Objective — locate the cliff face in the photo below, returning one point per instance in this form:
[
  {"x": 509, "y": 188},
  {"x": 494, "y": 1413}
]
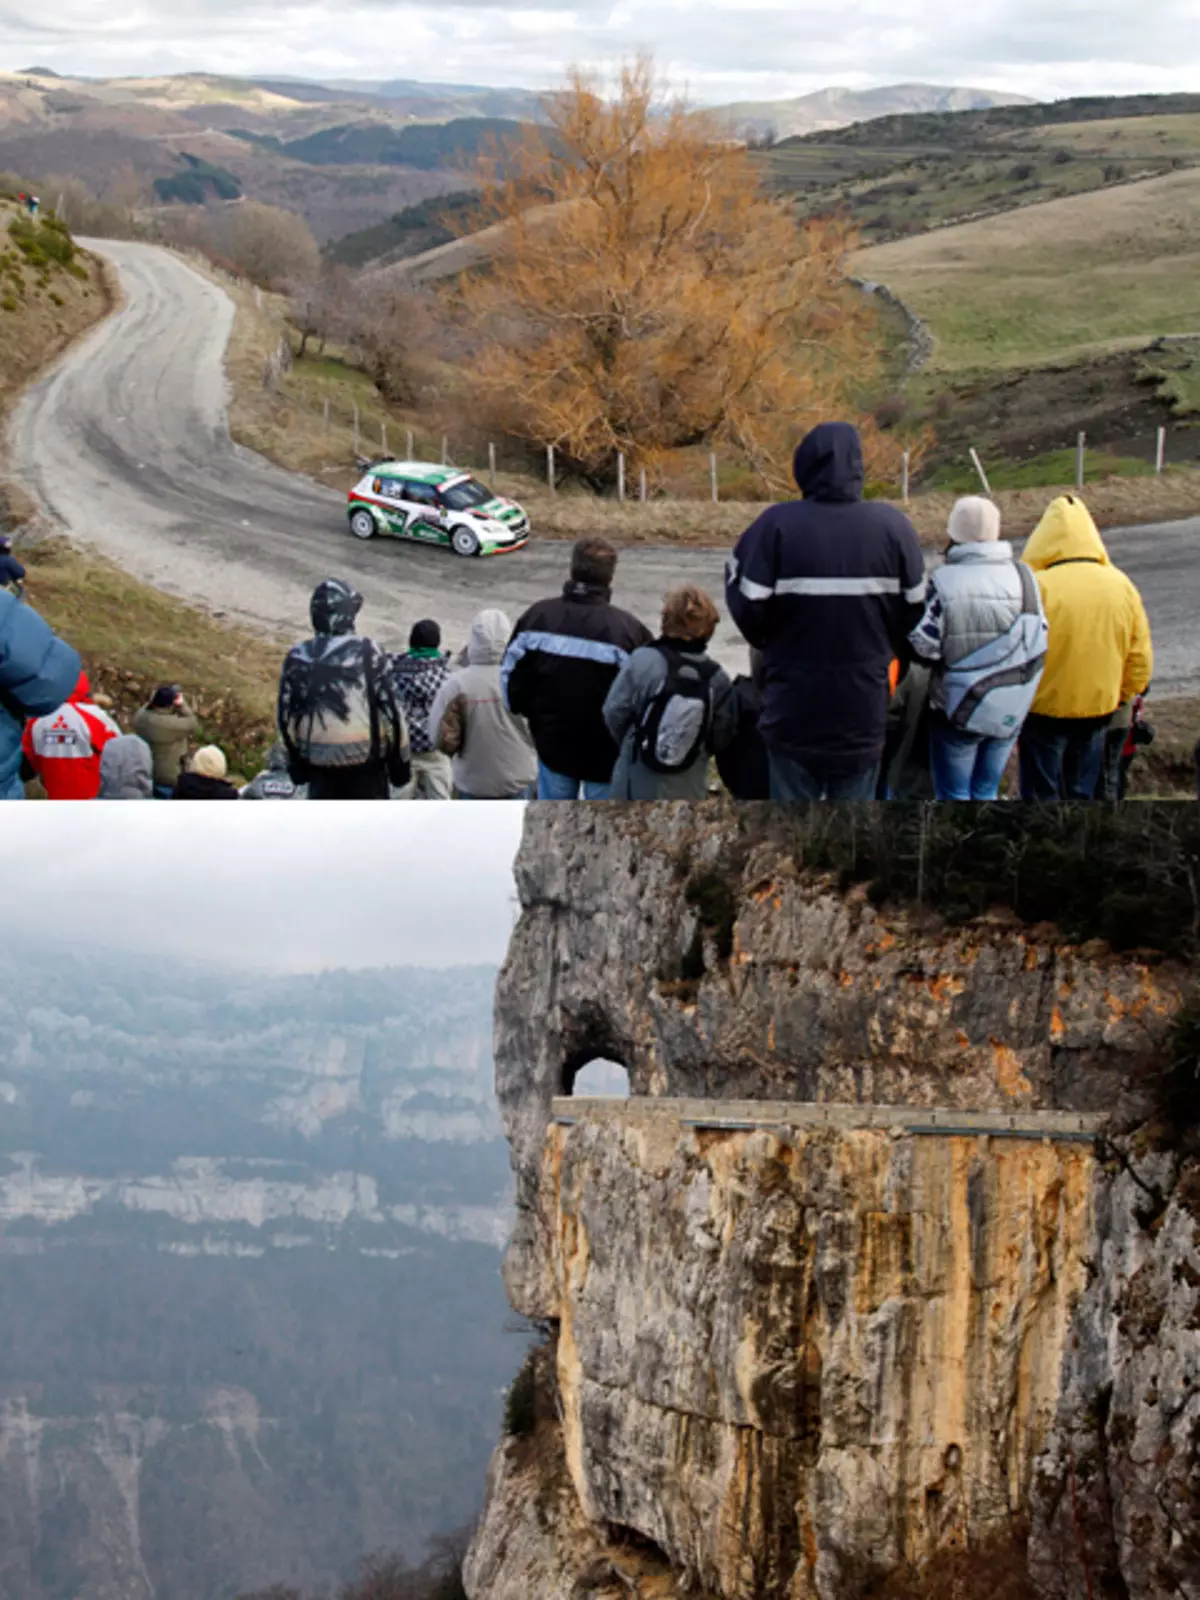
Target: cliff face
[{"x": 792, "y": 1359}]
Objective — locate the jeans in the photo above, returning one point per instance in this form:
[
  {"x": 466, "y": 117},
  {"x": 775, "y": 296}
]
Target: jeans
[
  {"x": 1062, "y": 757},
  {"x": 525, "y": 794},
  {"x": 793, "y": 781},
  {"x": 556, "y": 786},
  {"x": 966, "y": 766}
]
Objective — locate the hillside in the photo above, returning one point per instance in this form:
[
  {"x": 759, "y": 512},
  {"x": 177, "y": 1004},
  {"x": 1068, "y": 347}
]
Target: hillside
[
  {"x": 424, "y": 146},
  {"x": 1067, "y": 279},
  {"x": 902, "y": 175},
  {"x": 187, "y": 140}
]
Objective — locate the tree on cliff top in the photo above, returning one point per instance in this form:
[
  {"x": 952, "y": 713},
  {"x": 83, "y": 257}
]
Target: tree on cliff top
[{"x": 647, "y": 296}]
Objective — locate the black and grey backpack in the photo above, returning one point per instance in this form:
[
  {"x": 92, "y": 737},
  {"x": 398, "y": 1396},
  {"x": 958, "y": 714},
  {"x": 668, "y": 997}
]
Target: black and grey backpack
[{"x": 675, "y": 726}]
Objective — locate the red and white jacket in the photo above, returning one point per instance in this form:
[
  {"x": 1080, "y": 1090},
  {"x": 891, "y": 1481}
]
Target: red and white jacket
[{"x": 64, "y": 748}]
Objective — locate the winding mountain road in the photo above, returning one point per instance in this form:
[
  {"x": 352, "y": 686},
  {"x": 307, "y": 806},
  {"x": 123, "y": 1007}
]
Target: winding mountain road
[{"x": 127, "y": 447}]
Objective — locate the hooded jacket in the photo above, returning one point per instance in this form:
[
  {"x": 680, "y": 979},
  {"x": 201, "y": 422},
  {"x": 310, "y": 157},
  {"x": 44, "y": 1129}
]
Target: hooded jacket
[
  {"x": 337, "y": 711},
  {"x": 274, "y": 782},
  {"x": 37, "y": 673},
  {"x": 65, "y": 746},
  {"x": 1100, "y": 652},
  {"x": 828, "y": 588},
  {"x": 167, "y": 730},
  {"x": 560, "y": 664},
  {"x": 492, "y": 750},
  {"x": 127, "y": 769}
]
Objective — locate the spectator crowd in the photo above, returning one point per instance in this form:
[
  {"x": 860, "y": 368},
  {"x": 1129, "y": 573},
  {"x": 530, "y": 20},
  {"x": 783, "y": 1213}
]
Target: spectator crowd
[{"x": 868, "y": 678}]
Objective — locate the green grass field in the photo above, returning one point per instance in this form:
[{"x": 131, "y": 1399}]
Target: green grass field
[
  {"x": 1064, "y": 280},
  {"x": 1119, "y": 136}
]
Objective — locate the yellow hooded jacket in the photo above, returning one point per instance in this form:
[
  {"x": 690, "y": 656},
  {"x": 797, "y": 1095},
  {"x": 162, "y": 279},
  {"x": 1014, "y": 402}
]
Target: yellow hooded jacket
[{"x": 1100, "y": 653}]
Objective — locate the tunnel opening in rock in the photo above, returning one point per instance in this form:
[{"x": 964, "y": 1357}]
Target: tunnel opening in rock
[{"x": 595, "y": 1077}]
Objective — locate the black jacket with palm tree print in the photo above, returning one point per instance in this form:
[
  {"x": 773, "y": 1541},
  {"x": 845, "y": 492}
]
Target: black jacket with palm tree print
[{"x": 337, "y": 708}]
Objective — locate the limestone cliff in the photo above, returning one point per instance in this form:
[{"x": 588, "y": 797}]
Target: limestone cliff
[{"x": 797, "y": 1350}]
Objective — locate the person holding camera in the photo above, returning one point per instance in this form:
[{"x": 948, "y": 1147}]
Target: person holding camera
[{"x": 168, "y": 727}]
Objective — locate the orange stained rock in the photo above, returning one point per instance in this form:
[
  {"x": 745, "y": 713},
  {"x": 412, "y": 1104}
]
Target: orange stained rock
[
  {"x": 1058, "y": 1027},
  {"x": 946, "y": 986},
  {"x": 1010, "y": 1075}
]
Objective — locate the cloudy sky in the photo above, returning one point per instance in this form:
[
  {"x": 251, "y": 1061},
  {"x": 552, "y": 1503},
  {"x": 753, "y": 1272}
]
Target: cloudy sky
[
  {"x": 289, "y": 888},
  {"x": 719, "y": 49}
]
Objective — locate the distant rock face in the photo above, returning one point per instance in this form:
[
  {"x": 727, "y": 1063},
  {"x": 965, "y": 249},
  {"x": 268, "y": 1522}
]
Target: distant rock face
[{"x": 790, "y": 1365}]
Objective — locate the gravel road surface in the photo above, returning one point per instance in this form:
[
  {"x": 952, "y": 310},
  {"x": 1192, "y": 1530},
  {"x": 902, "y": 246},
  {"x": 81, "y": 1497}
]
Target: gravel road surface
[{"x": 127, "y": 447}]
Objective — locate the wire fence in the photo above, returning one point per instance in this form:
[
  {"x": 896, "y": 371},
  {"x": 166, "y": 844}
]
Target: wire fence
[{"x": 377, "y": 435}]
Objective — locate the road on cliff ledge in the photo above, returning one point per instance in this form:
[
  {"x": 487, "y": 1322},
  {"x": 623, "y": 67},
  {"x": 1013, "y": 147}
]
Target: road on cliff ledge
[{"x": 126, "y": 445}]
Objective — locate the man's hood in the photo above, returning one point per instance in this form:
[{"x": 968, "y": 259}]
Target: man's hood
[
  {"x": 829, "y": 463},
  {"x": 335, "y": 607},
  {"x": 490, "y": 633},
  {"x": 126, "y": 769},
  {"x": 1065, "y": 533}
]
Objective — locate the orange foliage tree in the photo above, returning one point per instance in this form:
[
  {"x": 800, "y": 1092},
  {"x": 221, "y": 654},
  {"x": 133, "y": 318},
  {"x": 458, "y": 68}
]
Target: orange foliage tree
[{"x": 644, "y": 295}]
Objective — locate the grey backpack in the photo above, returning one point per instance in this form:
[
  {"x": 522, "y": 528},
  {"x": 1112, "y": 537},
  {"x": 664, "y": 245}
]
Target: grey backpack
[
  {"x": 990, "y": 692},
  {"x": 675, "y": 725}
]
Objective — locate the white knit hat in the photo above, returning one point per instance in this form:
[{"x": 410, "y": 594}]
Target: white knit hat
[
  {"x": 210, "y": 762},
  {"x": 974, "y": 520}
]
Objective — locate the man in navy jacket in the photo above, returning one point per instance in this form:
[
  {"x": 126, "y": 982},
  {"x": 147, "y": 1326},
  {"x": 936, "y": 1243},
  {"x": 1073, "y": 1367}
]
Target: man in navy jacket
[
  {"x": 828, "y": 588},
  {"x": 37, "y": 673}
]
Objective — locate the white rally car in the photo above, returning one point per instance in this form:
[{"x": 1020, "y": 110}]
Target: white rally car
[{"x": 435, "y": 505}]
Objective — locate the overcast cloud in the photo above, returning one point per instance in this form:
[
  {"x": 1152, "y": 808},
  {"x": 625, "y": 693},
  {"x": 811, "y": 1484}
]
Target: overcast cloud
[
  {"x": 288, "y": 888},
  {"x": 718, "y": 49}
]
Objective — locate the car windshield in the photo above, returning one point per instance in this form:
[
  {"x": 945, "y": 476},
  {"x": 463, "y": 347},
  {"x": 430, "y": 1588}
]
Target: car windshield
[{"x": 466, "y": 495}]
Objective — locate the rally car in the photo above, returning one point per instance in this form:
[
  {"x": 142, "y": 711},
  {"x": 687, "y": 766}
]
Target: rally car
[{"x": 435, "y": 505}]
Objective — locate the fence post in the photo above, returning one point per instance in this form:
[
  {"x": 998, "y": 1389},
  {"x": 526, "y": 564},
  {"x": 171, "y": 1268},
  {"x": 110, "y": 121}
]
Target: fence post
[
  {"x": 1160, "y": 454},
  {"x": 621, "y": 478},
  {"x": 410, "y": 444},
  {"x": 326, "y": 413},
  {"x": 492, "y": 464},
  {"x": 550, "y": 474},
  {"x": 1080, "y": 460},
  {"x": 445, "y": 451},
  {"x": 904, "y": 472},
  {"x": 642, "y": 487},
  {"x": 357, "y": 451},
  {"x": 383, "y": 436},
  {"x": 983, "y": 477},
  {"x": 712, "y": 472}
]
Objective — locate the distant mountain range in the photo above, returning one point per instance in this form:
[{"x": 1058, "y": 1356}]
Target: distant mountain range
[{"x": 839, "y": 108}]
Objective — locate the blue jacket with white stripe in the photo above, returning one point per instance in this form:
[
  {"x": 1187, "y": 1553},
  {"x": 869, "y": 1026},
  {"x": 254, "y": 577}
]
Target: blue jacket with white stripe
[
  {"x": 559, "y": 666},
  {"x": 828, "y": 588}
]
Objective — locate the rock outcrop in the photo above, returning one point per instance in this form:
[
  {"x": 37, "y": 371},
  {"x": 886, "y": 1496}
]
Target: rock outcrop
[{"x": 791, "y": 1361}]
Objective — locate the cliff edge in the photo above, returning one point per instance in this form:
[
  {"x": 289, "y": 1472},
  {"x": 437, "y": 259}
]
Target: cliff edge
[{"x": 886, "y": 1265}]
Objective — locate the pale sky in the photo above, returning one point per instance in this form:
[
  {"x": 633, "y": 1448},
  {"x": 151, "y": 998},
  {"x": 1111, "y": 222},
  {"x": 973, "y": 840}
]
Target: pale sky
[
  {"x": 719, "y": 49},
  {"x": 284, "y": 886}
]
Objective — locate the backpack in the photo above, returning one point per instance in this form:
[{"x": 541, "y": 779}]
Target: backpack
[
  {"x": 675, "y": 724},
  {"x": 991, "y": 691}
]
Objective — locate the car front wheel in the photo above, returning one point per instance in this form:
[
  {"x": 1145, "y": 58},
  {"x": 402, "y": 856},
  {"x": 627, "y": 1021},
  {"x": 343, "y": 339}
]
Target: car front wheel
[
  {"x": 464, "y": 542},
  {"x": 362, "y": 525}
]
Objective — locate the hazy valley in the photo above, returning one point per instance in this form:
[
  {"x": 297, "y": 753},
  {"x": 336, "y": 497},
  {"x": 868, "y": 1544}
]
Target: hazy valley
[{"x": 253, "y": 1324}]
